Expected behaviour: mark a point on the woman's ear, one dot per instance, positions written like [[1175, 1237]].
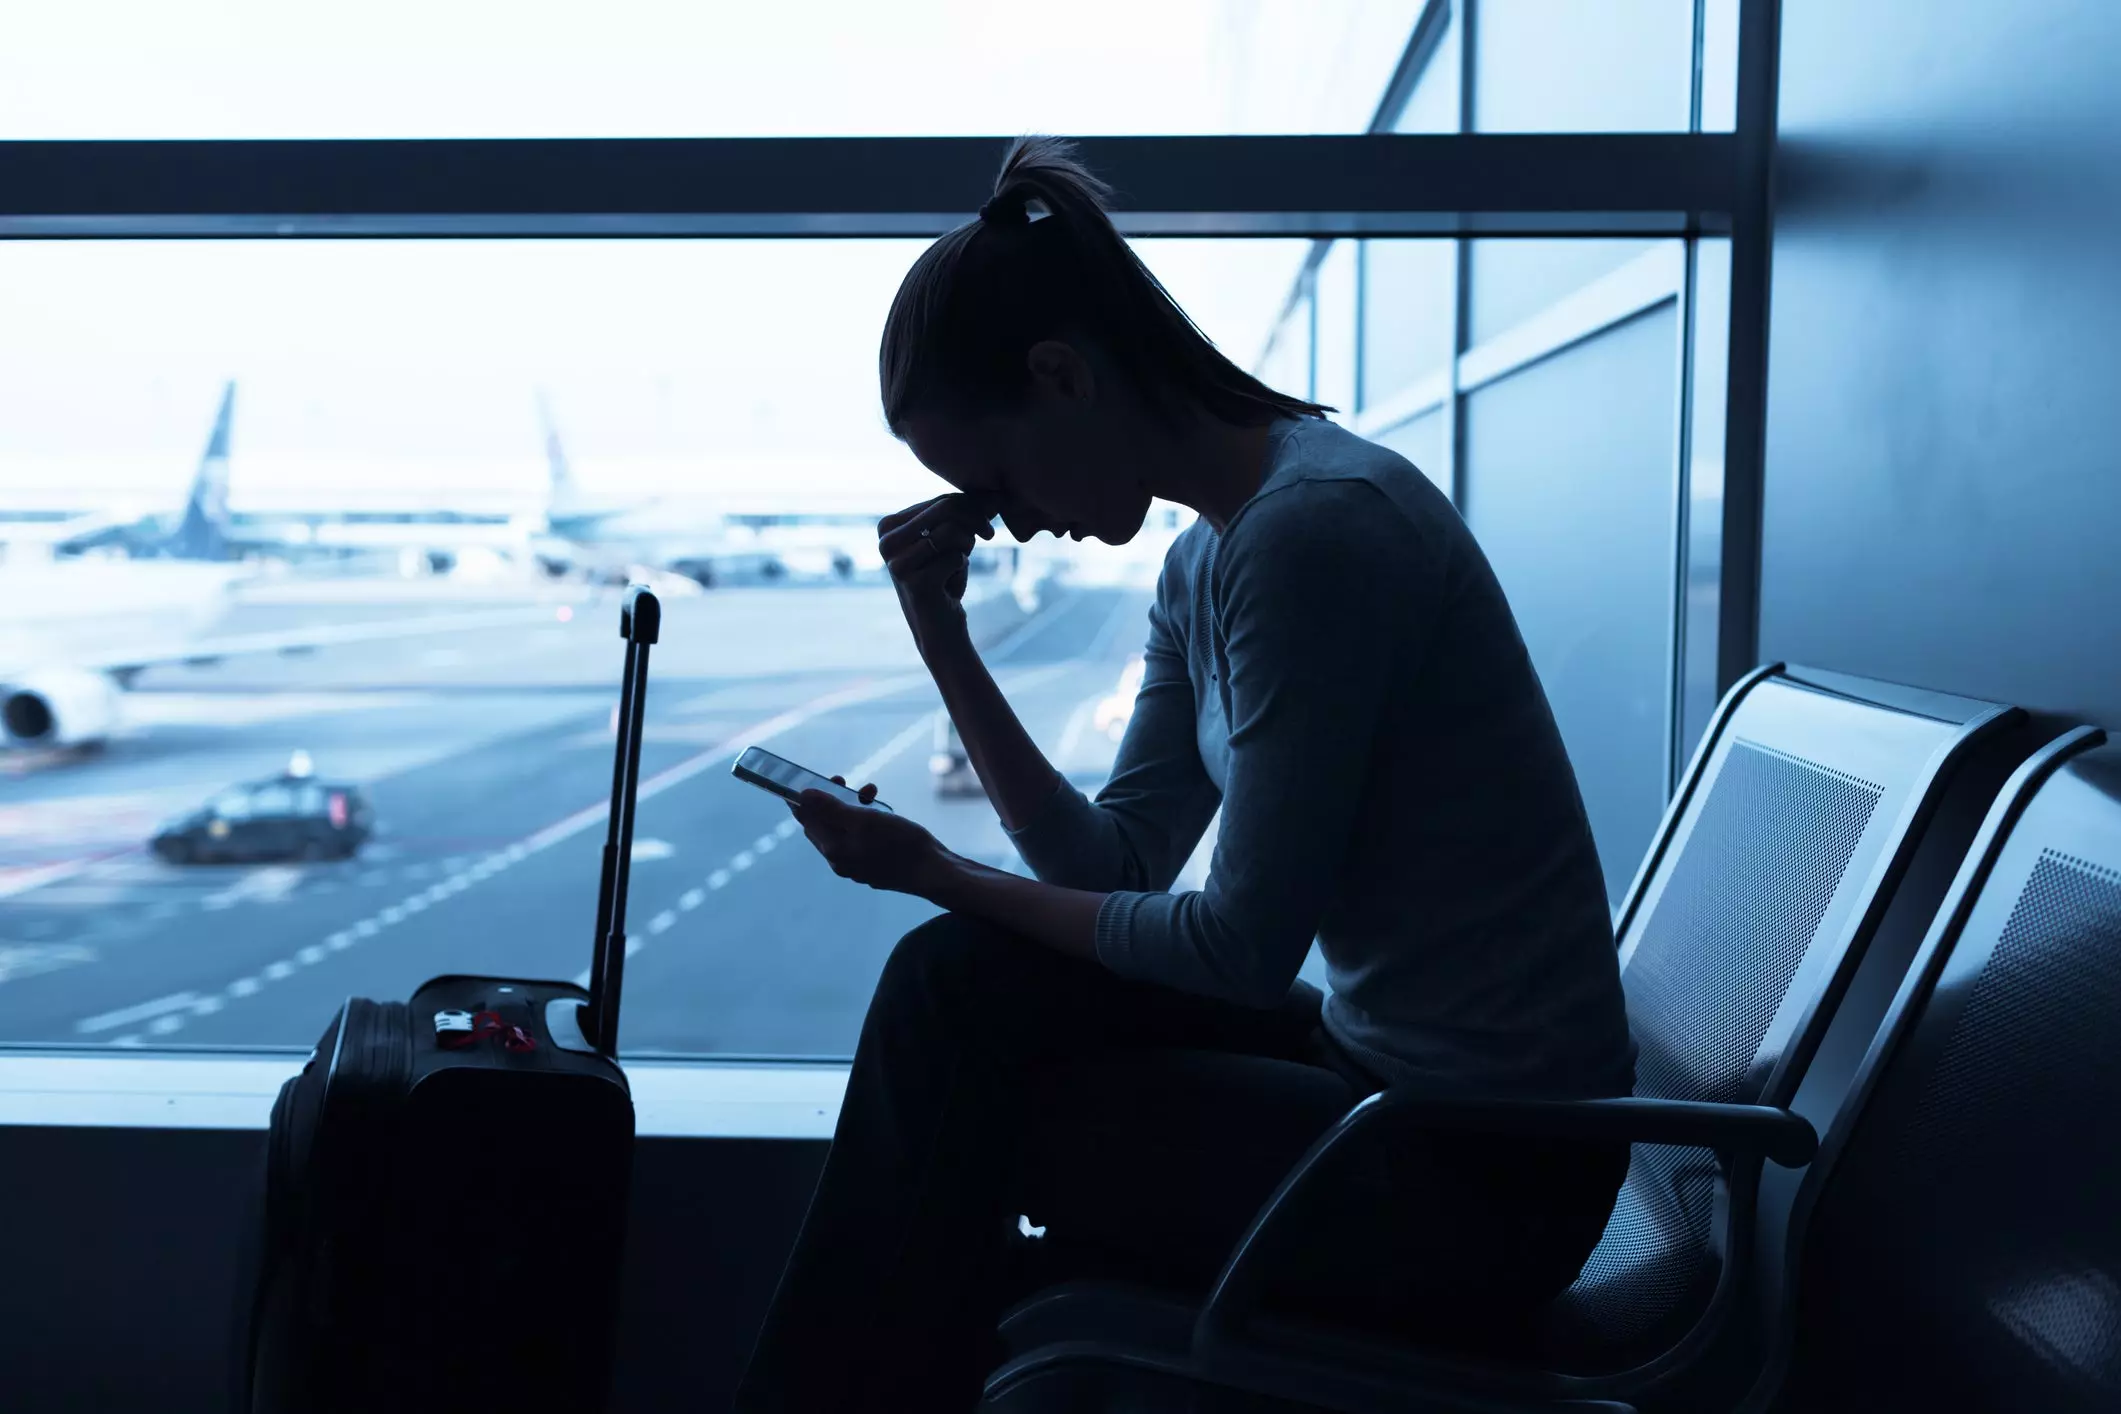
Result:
[[1060, 371]]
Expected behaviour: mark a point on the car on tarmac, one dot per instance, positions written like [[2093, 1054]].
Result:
[[289, 816]]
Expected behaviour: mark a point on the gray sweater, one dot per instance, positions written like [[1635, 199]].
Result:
[[1340, 673]]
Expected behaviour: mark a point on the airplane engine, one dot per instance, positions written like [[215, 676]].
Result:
[[59, 707]]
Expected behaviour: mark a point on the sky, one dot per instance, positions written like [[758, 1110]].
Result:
[[407, 374]]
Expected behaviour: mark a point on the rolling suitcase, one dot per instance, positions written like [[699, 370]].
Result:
[[446, 1180]]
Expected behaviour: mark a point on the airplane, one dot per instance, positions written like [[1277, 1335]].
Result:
[[200, 532], [78, 626], [708, 541]]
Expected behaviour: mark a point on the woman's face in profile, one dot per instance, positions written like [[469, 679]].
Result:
[[1065, 461]]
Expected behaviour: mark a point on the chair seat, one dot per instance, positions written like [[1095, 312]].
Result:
[[1072, 1337]]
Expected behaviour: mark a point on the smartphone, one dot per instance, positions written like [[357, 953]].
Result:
[[787, 780]]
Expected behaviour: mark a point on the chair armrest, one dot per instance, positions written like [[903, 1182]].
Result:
[[1749, 1130], [1786, 1138]]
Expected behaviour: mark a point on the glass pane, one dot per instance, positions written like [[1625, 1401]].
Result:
[[1335, 330], [1286, 366], [1509, 281], [1719, 66], [1421, 440], [1433, 106], [624, 68], [1582, 65], [436, 458], [1704, 544], [1569, 488], [1407, 314]]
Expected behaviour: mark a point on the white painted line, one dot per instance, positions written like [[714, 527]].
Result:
[[27, 879], [718, 878], [340, 942], [742, 862], [113, 1020], [662, 921], [207, 1006], [311, 955], [393, 914], [126, 1041], [163, 1025], [416, 904], [787, 828], [652, 849], [864, 773], [277, 970], [243, 987], [764, 844], [714, 755], [367, 928], [691, 899], [633, 945]]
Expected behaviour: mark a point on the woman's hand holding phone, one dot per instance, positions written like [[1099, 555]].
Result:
[[870, 847]]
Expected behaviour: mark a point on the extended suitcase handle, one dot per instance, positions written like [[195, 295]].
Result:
[[640, 624]]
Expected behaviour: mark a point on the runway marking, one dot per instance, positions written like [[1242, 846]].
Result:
[[744, 860], [126, 1016], [662, 921], [764, 844], [691, 899], [279, 971], [243, 986], [787, 827], [311, 955], [718, 878], [30, 959], [340, 941]]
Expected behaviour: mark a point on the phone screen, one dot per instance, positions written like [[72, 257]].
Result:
[[784, 778]]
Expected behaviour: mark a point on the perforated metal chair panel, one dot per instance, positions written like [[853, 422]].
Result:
[[1979, 1199], [1774, 838]]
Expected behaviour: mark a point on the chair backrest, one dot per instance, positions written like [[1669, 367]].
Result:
[[1963, 1248], [1770, 873]]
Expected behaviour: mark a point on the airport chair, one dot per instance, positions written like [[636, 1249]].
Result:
[[1961, 1227], [1769, 875]]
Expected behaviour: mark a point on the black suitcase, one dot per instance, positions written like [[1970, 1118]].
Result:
[[446, 1180]]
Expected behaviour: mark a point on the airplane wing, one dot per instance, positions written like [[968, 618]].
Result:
[[302, 640]]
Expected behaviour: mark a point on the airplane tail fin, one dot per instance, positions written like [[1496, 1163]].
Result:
[[203, 532], [560, 490]]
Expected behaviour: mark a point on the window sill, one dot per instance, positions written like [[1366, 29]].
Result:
[[672, 1099]]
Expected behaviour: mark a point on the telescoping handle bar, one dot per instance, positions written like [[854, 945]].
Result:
[[640, 623]]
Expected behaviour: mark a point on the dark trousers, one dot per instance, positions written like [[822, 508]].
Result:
[[1143, 1128]]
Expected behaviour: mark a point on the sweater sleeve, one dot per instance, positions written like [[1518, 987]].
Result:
[[1324, 599], [1145, 823]]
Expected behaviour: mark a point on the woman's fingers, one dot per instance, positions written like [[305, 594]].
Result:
[[959, 516], [898, 518]]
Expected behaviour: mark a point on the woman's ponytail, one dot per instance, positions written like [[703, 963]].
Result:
[[1044, 261]]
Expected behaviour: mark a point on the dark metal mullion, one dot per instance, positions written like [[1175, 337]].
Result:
[[1683, 481], [1454, 438], [1745, 413]]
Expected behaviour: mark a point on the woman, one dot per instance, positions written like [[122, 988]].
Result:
[[1330, 661]]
